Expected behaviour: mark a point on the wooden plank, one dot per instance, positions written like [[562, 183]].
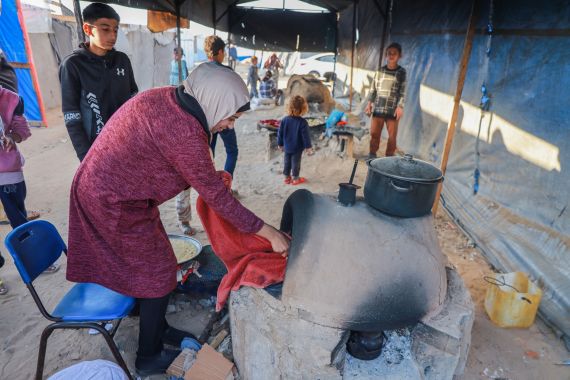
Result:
[[458, 92], [19, 65]]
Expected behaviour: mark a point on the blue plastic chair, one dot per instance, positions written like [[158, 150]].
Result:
[[35, 246]]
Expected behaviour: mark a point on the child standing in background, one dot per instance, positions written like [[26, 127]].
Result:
[[175, 80], [292, 138], [253, 77], [386, 101]]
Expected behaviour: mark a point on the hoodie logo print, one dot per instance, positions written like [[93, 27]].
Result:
[[120, 72], [93, 103]]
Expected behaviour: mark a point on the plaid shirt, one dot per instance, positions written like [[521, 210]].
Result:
[[267, 89], [389, 90]]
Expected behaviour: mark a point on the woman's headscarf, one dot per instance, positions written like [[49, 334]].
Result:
[[219, 91]]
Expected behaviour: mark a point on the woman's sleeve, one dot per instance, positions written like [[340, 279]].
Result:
[[186, 148]]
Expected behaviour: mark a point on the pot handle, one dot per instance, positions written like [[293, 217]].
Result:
[[401, 189]]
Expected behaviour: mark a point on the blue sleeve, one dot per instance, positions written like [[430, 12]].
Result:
[[305, 134], [280, 133]]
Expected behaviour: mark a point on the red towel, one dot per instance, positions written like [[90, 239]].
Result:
[[249, 258]]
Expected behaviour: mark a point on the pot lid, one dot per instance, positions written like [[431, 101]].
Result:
[[406, 168]]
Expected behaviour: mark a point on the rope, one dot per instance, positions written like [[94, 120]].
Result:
[[485, 103]]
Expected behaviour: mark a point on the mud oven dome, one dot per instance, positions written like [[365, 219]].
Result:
[[352, 274]]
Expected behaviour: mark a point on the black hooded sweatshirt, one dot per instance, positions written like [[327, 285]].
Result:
[[92, 89]]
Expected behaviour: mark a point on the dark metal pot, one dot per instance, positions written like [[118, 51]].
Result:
[[401, 186]]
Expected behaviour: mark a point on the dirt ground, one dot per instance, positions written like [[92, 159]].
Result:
[[50, 164]]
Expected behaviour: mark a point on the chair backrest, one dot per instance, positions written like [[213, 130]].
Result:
[[34, 246]]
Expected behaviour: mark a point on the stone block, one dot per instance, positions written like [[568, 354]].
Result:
[[441, 343], [270, 341]]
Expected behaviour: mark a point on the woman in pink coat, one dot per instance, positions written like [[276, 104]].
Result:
[[151, 149]]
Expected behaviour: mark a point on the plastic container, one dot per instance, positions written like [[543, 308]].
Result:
[[512, 299]]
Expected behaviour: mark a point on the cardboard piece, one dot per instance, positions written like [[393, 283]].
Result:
[[182, 363], [210, 365]]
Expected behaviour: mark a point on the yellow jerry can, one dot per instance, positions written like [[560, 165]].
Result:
[[512, 299]]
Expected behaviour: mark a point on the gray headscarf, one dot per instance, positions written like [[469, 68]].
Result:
[[219, 90]]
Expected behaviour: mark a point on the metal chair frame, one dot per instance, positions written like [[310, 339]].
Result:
[[58, 323]]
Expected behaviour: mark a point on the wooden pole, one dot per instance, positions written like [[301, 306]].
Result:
[[384, 30], [354, 12], [459, 91], [30, 56]]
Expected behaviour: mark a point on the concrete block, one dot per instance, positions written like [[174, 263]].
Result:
[[441, 343], [271, 342]]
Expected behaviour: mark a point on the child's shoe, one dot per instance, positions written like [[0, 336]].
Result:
[[287, 180], [298, 181]]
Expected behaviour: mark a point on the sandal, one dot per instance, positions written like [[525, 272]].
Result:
[[32, 215], [51, 269], [298, 181], [186, 229], [287, 180], [3, 288]]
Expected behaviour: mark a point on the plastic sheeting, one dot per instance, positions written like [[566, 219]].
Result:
[[12, 43], [282, 30], [521, 146]]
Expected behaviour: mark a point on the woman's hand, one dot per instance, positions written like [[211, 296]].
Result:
[[279, 241], [399, 113]]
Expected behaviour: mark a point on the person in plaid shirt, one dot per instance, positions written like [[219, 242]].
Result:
[[386, 101]]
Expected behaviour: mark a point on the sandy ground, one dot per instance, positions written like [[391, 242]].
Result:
[[51, 162]]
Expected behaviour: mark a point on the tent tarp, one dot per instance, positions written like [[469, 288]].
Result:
[[282, 30], [519, 216], [13, 45]]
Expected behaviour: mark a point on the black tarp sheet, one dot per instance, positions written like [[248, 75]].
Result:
[[282, 30]]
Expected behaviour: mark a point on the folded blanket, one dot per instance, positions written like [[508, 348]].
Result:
[[249, 258]]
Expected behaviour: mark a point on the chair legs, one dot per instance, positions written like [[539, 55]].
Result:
[[42, 353], [113, 346], [75, 326]]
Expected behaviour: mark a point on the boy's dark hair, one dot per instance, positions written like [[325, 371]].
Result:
[[95, 11], [396, 46], [297, 106], [179, 49], [212, 45]]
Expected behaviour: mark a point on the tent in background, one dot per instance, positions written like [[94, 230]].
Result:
[[15, 43]]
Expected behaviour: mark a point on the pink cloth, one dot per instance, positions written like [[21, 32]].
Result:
[[249, 258], [12, 161], [149, 151]]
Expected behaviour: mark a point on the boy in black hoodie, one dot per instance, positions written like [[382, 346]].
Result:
[[95, 79]]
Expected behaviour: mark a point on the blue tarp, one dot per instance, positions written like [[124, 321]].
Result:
[[12, 43]]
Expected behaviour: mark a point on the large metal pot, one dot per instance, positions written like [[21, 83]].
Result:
[[401, 186]]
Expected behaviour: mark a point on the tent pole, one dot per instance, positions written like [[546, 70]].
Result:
[[335, 54], [79, 21], [384, 30], [214, 15], [33, 72], [178, 40], [354, 12], [459, 91]]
